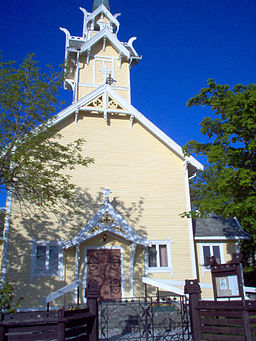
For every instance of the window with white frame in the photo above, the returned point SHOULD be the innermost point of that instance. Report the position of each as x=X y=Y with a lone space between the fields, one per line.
x=159 y=256
x=209 y=250
x=47 y=259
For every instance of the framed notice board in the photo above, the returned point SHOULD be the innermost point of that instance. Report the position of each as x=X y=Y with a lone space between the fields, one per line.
x=227 y=278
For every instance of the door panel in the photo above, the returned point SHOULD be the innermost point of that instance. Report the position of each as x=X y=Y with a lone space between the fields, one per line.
x=104 y=267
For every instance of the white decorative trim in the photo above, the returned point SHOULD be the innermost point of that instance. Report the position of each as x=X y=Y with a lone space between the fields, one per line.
x=104 y=43
x=122 y=265
x=189 y=220
x=111 y=37
x=130 y=44
x=105 y=106
x=91 y=85
x=77 y=270
x=119 y=111
x=86 y=14
x=131 y=121
x=76 y=116
x=132 y=255
x=128 y=232
x=129 y=82
x=6 y=236
x=77 y=76
x=103 y=9
x=138 y=116
x=220 y=238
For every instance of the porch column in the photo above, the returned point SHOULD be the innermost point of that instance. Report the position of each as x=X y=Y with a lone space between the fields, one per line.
x=132 y=254
x=77 y=270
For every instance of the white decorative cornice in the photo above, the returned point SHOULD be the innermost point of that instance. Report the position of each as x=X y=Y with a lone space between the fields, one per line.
x=103 y=9
x=118 y=227
x=65 y=31
x=105 y=33
x=130 y=44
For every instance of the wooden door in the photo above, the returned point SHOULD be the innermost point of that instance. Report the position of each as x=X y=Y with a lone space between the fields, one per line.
x=104 y=267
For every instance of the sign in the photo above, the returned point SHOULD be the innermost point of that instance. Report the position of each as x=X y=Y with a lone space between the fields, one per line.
x=227 y=286
x=227 y=279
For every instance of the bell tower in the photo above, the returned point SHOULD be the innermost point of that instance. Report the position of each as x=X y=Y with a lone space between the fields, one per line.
x=98 y=57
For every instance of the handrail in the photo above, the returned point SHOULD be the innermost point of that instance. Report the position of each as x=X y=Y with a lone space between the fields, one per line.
x=250 y=289
x=61 y=291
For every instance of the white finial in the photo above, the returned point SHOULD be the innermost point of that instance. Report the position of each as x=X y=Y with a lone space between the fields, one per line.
x=106 y=192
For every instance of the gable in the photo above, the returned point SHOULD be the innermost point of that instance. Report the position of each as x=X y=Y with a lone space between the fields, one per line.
x=107 y=219
x=105 y=34
x=133 y=114
x=100 y=102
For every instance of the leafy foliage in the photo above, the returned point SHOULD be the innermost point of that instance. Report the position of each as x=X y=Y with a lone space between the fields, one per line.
x=6 y=299
x=227 y=186
x=34 y=164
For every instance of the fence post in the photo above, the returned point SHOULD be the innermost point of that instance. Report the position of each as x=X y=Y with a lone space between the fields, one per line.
x=1 y=326
x=192 y=288
x=246 y=323
x=61 y=326
x=92 y=294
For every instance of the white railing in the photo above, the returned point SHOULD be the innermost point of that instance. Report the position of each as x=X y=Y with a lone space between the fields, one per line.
x=250 y=290
x=61 y=291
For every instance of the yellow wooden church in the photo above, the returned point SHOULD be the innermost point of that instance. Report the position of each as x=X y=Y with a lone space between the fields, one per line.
x=131 y=232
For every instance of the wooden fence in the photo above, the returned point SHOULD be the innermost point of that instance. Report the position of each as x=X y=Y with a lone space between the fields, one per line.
x=220 y=320
x=75 y=325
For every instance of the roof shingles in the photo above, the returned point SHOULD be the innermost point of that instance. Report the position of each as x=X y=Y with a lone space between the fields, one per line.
x=216 y=226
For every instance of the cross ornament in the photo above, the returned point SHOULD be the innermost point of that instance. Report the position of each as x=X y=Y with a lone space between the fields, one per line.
x=106 y=219
x=110 y=80
x=105 y=71
x=106 y=192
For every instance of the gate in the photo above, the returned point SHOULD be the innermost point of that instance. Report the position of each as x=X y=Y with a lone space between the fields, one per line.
x=143 y=319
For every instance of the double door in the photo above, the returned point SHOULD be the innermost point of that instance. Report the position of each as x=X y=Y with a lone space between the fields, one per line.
x=104 y=267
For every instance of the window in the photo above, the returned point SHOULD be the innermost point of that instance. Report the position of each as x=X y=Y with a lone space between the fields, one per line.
x=159 y=257
x=209 y=250
x=47 y=259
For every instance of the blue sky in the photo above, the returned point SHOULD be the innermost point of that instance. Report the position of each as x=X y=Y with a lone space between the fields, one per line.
x=183 y=43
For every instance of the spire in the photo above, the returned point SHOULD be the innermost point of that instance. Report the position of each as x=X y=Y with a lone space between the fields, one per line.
x=97 y=3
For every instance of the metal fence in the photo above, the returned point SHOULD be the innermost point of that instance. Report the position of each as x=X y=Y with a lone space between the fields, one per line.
x=153 y=318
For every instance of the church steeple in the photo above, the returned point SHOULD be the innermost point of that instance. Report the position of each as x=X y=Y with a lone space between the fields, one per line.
x=98 y=57
x=97 y=3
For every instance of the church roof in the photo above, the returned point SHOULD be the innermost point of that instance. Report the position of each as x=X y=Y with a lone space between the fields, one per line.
x=218 y=227
x=112 y=38
x=134 y=114
x=97 y=3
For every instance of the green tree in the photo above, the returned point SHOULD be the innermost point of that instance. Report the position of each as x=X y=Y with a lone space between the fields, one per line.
x=227 y=186
x=7 y=297
x=34 y=164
